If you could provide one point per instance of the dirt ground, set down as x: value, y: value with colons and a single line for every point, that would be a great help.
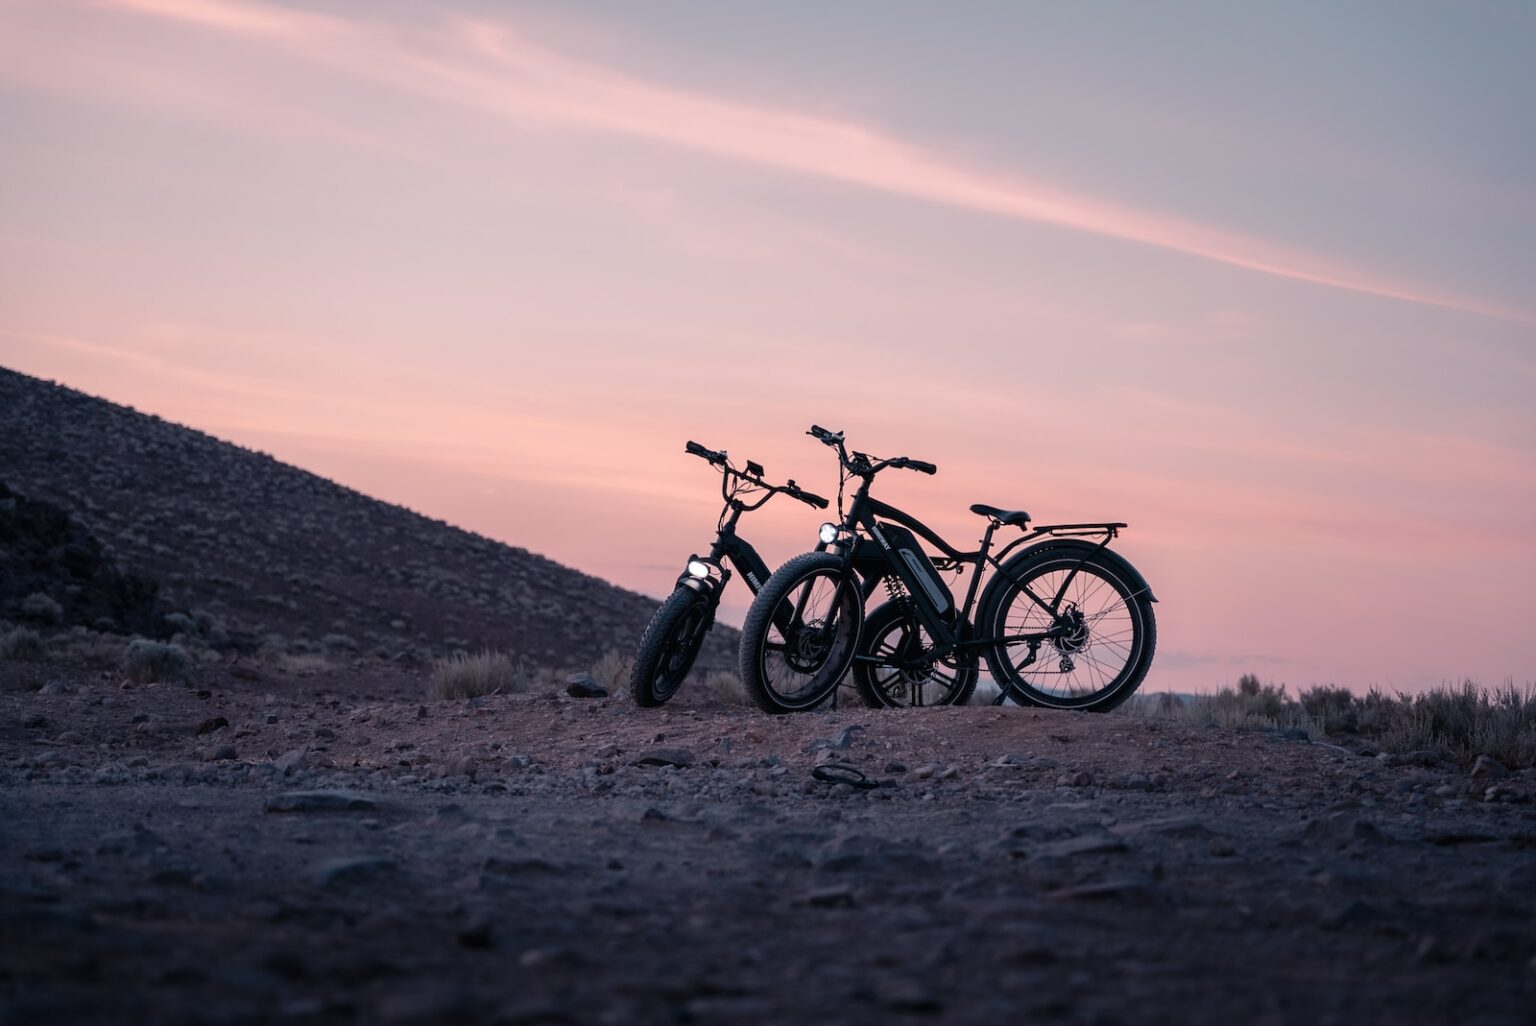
x: 338, y: 848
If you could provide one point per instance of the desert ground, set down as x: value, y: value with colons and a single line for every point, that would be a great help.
x: 264, y: 845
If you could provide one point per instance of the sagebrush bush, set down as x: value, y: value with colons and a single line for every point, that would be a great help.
x: 470, y: 675
x: 22, y: 644
x: 612, y: 671
x: 1459, y: 722
x: 146, y: 661
x: 42, y: 608
x: 723, y: 688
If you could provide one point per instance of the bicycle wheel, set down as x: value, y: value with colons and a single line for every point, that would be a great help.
x: 895, y: 666
x: 1106, y: 650
x: 800, y: 634
x: 669, y: 646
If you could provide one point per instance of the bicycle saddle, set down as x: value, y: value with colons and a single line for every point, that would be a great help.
x: 1011, y: 517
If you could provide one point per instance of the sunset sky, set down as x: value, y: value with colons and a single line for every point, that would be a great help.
x: 1254, y: 278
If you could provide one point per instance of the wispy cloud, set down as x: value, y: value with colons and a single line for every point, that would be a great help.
x: 492, y: 68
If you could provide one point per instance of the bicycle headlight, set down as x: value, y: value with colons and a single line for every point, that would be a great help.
x: 828, y: 533
x: 698, y: 568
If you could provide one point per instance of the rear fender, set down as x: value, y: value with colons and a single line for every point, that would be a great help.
x: 1015, y: 563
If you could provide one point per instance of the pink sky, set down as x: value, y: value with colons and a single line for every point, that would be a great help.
x: 498, y: 262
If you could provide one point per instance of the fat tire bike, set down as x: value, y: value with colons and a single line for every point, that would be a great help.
x: 1063, y: 621
x: 676, y: 633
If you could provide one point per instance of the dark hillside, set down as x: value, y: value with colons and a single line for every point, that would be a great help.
x: 250, y: 547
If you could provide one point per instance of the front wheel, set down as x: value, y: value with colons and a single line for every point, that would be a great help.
x: 1073, y: 630
x: 896, y: 665
x: 669, y: 646
x: 800, y: 634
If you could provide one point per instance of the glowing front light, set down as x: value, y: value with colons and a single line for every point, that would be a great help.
x: 698, y: 568
x: 828, y: 534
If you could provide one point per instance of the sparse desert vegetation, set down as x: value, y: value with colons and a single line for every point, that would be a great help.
x: 147, y: 661
x: 719, y: 687
x: 1460, y: 722
x: 21, y: 643
x: 474, y: 674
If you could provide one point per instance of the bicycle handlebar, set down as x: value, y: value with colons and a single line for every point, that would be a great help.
x: 753, y: 473
x: 863, y: 464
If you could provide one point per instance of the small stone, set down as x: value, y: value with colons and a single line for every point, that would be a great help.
x: 350, y: 869
x: 1420, y: 757
x: 1488, y: 766
x: 841, y: 740
x: 290, y: 762
x: 1076, y: 846
x: 502, y: 866
x: 583, y: 685
x: 211, y: 724
x: 322, y: 801
x: 840, y: 896
x: 1122, y: 889
x: 478, y: 932
x: 679, y: 757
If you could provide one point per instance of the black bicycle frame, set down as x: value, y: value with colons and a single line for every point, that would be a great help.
x: 871, y: 557
x: 728, y: 547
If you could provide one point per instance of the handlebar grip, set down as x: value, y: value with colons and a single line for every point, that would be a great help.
x: 922, y: 466
x: 824, y: 436
x: 695, y: 449
x: 813, y: 499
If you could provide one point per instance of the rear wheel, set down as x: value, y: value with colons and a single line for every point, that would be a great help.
x: 896, y: 667
x: 800, y: 634
x: 669, y: 646
x: 1102, y: 633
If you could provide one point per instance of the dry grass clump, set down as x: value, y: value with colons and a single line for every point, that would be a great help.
x: 90, y: 648
x: 470, y: 675
x: 1460, y: 722
x: 146, y: 661
x: 1463, y: 722
x: 721, y: 688
x: 612, y: 671
x: 21, y: 644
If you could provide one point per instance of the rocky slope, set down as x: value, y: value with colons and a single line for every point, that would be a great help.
x: 247, y: 546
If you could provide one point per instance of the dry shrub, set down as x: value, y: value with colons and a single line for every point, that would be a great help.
x: 147, y: 661
x: 612, y: 671
x: 21, y: 644
x: 1460, y: 722
x: 42, y: 608
x: 470, y: 675
x: 90, y: 648
x: 721, y: 688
